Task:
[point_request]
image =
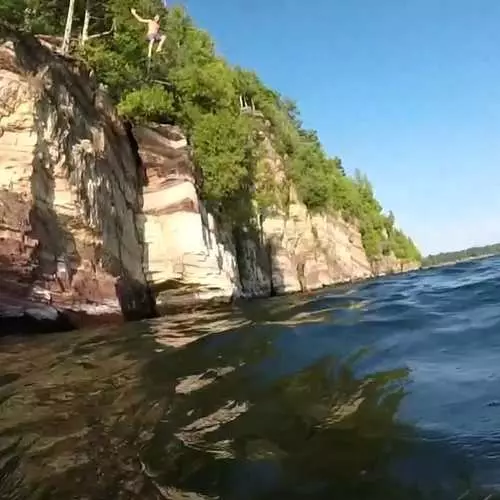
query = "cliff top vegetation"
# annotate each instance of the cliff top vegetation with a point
(188, 84)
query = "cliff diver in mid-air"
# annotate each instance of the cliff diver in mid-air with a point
(153, 35)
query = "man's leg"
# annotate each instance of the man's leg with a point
(150, 48)
(162, 41)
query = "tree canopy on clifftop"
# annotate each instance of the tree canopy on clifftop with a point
(190, 85)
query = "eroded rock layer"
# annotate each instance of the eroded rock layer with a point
(75, 238)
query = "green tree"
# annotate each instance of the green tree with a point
(14, 12)
(149, 103)
(223, 145)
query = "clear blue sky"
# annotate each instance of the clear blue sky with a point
(408, 91)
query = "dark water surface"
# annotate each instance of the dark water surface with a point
(382, 390)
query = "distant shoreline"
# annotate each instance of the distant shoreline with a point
(465, 259)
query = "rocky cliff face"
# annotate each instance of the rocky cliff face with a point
(187, 253)
(70, 192)
(191, 256)
(82, 231)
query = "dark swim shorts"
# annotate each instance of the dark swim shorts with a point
(154, 36)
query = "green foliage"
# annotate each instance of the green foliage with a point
(308, 173)
(13, 11)
(147, 104)
(223, 145)
(207, 89)
(190, 85)
(114, 69)
(40, 16)
(403, 247)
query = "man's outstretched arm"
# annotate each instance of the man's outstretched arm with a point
(139, 18)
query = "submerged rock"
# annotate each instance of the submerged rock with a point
(24, 316)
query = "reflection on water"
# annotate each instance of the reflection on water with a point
(310, 397)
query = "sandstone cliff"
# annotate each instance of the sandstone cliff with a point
(83, 232)
(70, 192)
(191, 255)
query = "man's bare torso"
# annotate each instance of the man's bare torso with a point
(153, 27)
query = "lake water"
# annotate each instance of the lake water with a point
(381, 390)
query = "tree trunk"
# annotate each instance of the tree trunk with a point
(67, 29)
(86, 22)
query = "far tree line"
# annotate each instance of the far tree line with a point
(468, 253)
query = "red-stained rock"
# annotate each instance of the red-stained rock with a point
(70, 194)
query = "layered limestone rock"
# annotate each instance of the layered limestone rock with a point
(294, 250)
(75, 238)
(310, 252)
(190, 255)
(187, 253)
(390, 264)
